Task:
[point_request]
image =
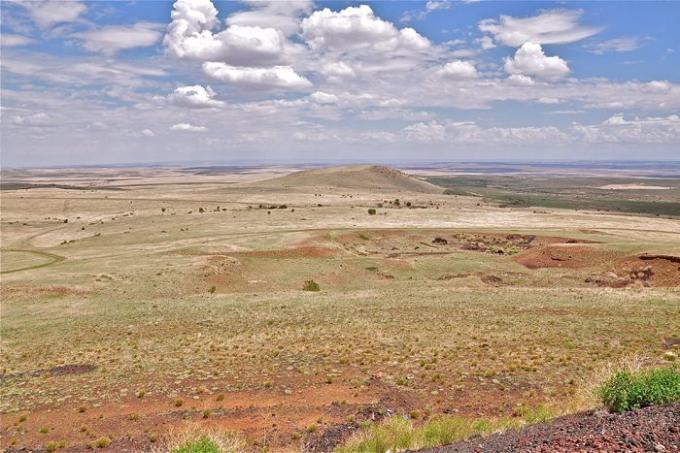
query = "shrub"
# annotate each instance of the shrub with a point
(200, 445)
(371, 211)
(194, 440)
(311, 285)
(626, 391)
(102, 442)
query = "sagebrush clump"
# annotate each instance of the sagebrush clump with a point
(311, 285)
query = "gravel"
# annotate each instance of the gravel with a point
(655, 429)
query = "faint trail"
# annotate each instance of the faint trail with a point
(53, 259)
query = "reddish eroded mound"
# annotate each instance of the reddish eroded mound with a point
(645, 270)
(654, 429)
(565, 255)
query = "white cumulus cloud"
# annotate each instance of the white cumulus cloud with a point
(281, 15)
(323, 98)
(459, 69)
(188, 127)
(529, 60)
(356, 28)
(194, 96)
(274, 77)
(190, 35)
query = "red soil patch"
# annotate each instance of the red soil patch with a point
(269, 416)
(648, 270)
(564, 255)
(306, 251)
(54, 291)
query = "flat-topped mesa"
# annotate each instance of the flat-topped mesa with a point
(358, 177)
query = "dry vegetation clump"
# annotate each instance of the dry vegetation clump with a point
(311, 285)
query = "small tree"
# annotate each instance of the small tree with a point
(371, 211)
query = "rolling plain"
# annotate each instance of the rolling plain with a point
(140, 302)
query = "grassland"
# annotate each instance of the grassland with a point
(591, 193)
(182, 305)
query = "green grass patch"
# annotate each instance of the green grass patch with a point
(200, 445)
(627, 391)
(399, 433)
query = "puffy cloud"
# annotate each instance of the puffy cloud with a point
(189, 35)
(284, 16)
(194, 96)
(147, 133)
(530, 60)
(358, 28)
(188, 127)
(13, 40)
(521, 80)
(549, 27)
(274, 77)
(46, 13)
(338, 70)
(323, 98)
(111, 39)
(615, 45)
(458, 69)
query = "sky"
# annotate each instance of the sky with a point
(102, 82)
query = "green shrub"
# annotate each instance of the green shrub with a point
(200, 445)
(371, 211)
(626, 391)
(311, 285)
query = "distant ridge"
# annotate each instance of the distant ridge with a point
(366, 177)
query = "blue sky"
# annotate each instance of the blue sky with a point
(152, 81)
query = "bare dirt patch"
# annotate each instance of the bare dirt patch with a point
(645, 270)
(565, 255)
